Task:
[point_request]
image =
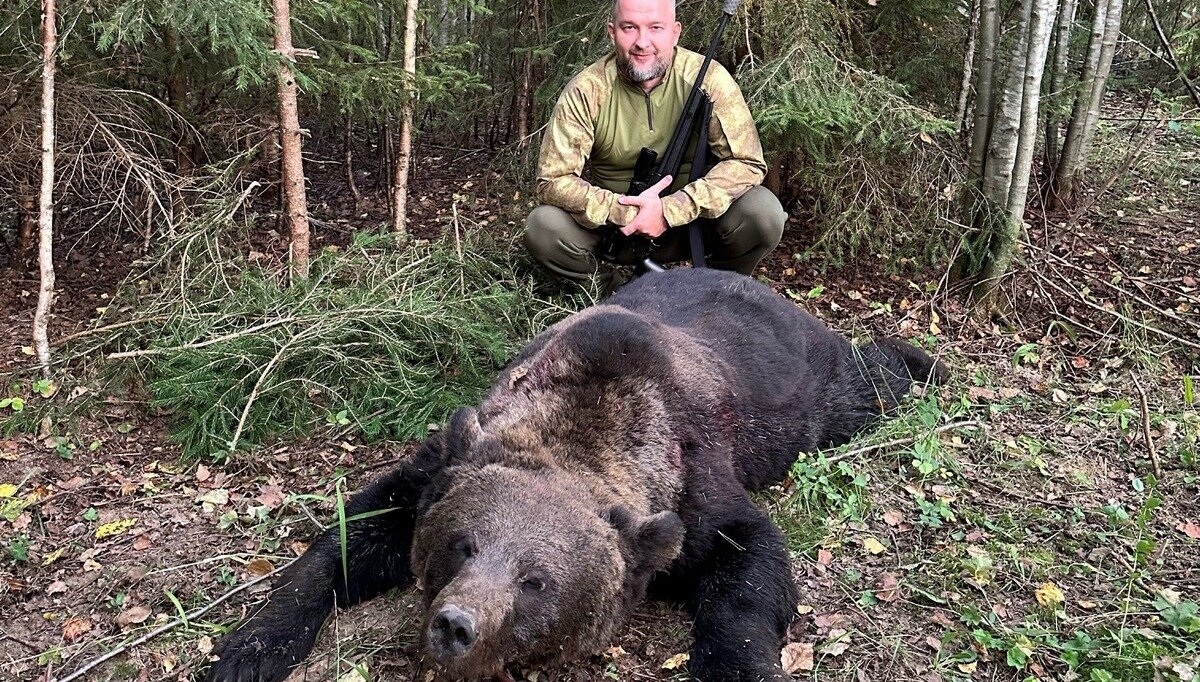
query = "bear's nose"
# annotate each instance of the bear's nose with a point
(452, 632)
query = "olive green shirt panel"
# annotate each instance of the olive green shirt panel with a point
(601, 117)
(733, 140)
(566, 147)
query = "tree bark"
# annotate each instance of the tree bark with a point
(1106, 25)
(295, 199)
(964, 90)
(985, 68)
(404, 147)
(348, 160)
(41, 317)
(999, 215)
(1058, 79)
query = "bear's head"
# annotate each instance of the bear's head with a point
(521, 564)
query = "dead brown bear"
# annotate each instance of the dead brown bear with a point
(618, 448)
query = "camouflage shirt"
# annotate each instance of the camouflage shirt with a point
(603, 120)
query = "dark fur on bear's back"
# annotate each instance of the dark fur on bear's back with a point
(619, 445)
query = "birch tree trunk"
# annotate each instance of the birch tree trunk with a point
(295, 199)
(964, 90)
(985, 69)
(1106, 26)
(41, 317)
(997, 214)
(404, 147)
(1058, 80)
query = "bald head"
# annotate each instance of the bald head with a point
(644, 34)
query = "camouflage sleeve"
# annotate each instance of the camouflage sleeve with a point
(733, 139)
(565, 146)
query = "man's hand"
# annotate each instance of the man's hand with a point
(649, 221)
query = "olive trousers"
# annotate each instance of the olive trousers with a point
(736, 241)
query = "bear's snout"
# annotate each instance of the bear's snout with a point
(451, 632)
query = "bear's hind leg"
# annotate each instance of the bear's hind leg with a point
(743, 601)
(281, 634)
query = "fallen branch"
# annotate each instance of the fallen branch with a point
(1146, 428)
(904, 441)
(1171, 58)
(201, 344)
(187, 618)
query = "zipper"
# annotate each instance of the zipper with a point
(649, 112)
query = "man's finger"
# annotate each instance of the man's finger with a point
(659, 186)
(632, 201)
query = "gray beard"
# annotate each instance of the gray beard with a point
(640, 75)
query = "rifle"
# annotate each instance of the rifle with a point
(648, 170)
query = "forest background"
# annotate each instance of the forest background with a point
(252, 250)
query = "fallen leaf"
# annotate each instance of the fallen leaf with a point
(142, 543)
(56, 587)
(1080, 362)
(1049, 594)
(271, 496)
(838, 643)
(873, 546)
(259, 567)
(75, 627)
(675, 662)
(828, 621)
(887, 588)
(893, 517)
(824, 557)
(202, 473)
(113, 528)
(133, 616)
(1190, 529)
(796, 657)
(215, 497)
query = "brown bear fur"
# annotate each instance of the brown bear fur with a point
(617, 448)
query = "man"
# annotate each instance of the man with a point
(631, 99)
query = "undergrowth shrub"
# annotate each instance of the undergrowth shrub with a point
(379, 340)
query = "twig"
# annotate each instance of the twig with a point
(34, 648)
(237, 434)
(187, 618)
(1126, 163)
(202, 344)
(1142, 325)
(1171, 58)
(109, 328)
(904, 441)
(1146, 428)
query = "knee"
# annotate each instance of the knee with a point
(759, 214)
(542, 232)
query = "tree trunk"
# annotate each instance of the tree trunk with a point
(1106, 25)
(999, 214)
(1058, 79)
(985, 68)
(41, 317)
(964, 91)
(404, 146)
(348, 160)
(295, 199)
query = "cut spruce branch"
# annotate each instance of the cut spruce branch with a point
(887, 445)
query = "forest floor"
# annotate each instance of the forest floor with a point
(1007, 527)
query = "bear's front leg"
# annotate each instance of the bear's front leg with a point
(743, 596)
(281, 634)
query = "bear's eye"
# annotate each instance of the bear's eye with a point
(532, 583)
(465, 548)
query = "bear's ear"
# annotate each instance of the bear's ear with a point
(461, 433)
(651, 542)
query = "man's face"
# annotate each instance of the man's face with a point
(644, 34)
